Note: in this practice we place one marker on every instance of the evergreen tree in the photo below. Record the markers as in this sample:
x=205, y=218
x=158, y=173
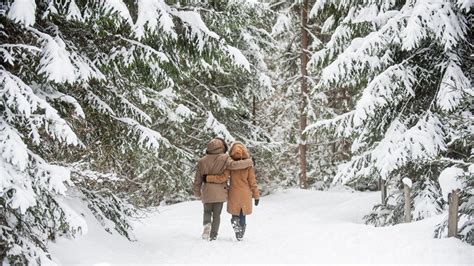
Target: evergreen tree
x=323, y=151
x=408, y=63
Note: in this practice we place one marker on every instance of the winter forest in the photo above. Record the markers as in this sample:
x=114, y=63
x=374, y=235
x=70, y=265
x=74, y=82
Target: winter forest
x=107, y=105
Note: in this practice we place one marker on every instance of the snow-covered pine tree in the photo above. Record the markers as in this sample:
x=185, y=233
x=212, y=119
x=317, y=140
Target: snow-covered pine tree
x=38, y=75
x=408, y=63
x=323, y=152
x=278, y=114
x=281, y=112
x=327, y=102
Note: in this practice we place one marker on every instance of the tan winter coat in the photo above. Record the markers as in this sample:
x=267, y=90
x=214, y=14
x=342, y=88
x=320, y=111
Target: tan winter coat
x=243, y=183
x=214, y=163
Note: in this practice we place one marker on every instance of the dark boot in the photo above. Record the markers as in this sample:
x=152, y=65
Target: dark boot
x=242, y=224
x=212, y=237
x=237, y=228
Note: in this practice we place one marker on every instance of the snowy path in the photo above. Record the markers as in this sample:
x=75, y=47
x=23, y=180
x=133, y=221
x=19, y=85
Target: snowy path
x=292, y=226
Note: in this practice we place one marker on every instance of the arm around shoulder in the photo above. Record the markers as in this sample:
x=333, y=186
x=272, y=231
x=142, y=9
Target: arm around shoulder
x=238, y=165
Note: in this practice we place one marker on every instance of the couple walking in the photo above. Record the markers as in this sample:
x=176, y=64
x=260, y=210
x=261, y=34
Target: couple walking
x=222, y=177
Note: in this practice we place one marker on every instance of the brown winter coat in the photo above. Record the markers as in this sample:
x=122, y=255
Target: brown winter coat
x=243, y=183
x=214, y=163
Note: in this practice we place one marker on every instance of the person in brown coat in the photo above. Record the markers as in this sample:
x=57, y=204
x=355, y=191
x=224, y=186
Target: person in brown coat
x=213, y=195
x=243, y=187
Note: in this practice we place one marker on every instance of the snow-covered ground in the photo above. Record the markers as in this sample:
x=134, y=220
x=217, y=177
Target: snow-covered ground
x=291, y=226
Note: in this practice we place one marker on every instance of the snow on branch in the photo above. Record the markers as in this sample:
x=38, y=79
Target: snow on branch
x=399, y=146
x=402, y=145
x=50, y=177
x=369, y=53
x=341, y=125
x=164, y=99
x=116, y=7
x=197, y=29
x=466, y=5
x=366, y=14
x=146, y=137
x=85, y=69
x=336, y=44
x=283, y=24
x=21, y=168
x=328, y=24
x=23, y=11
x=381, y=91
x=12, y=147
x=61, y=66
x=388, y=155
x=98, y=104
x=359, y=166
x=454, y=87
x=8, y=51
x=17, y=181
x=21, y=98
x=125, y=56
x=238, y=58
x=148, y=50
x=53, y=94
x=435, y=18
x=218, y=128
x=76, y=222
x=318, y=6
x=82, y=172
x=426, y=138
x=152, y=15
x=132, y=109
x=374, y=44
x=181, y=114
x=426, y=198
x=55, y=62
x=57, y=127
x=18, y=95
x=73, y=12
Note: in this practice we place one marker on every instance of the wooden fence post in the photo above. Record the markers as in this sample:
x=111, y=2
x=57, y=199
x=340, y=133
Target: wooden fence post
x=407, y=191
x=453, y=199
x=383, y=190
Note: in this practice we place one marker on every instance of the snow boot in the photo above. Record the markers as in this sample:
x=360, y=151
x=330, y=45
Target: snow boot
x=212, y=237
x=240, y=234
x=237, y=228
x=206, y=232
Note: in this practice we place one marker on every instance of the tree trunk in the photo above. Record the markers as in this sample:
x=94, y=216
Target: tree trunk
x=383, y=190
x=304, y=92
x=453, y=199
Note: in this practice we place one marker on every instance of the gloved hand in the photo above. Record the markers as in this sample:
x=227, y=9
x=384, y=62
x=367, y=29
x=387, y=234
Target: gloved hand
x=257, y=201
x=204, y=178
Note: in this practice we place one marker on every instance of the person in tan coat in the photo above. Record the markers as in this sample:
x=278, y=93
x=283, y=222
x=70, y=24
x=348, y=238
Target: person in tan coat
x=213, y=195
x=243, y=187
